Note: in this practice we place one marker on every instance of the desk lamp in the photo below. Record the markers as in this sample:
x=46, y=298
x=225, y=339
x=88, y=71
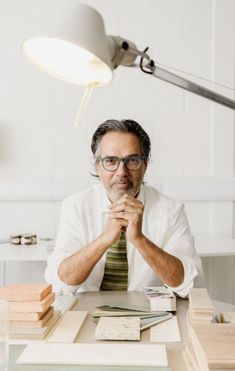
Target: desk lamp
x=77, y=50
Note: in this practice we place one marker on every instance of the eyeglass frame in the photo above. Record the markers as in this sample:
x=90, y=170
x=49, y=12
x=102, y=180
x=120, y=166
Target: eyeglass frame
x=121, y=159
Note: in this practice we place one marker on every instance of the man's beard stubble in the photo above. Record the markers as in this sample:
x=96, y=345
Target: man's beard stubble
x=118, y=193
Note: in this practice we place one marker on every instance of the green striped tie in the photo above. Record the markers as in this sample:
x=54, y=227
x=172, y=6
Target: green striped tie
x=116, y=267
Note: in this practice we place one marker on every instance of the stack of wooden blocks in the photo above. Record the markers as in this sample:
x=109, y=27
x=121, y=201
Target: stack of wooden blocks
x=211, y=345
x=201, y=308
x=31, y=310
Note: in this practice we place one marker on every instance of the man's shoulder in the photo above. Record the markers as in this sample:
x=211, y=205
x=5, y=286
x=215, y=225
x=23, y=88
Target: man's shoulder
x=89, y=194
x=154, y=197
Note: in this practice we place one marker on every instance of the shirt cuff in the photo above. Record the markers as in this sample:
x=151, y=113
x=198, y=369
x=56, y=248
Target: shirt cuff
x=190, y=272
x=58, y=286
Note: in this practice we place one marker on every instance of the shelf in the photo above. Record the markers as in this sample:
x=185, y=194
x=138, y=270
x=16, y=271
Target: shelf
x=214, y=245
x=38, y=252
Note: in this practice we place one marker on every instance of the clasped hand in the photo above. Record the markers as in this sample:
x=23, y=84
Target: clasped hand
x=125, y=214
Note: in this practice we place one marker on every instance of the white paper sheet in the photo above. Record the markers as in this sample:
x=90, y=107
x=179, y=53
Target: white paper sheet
x=95, y=354
x=166, y=332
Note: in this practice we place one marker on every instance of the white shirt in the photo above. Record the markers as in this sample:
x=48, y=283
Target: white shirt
x=83, y=217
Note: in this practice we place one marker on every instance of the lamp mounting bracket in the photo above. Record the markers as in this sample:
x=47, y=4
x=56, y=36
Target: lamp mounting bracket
x=124, y=52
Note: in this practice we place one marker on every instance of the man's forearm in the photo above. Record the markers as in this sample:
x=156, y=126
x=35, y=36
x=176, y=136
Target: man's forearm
x=167, y=267
x=76, y=268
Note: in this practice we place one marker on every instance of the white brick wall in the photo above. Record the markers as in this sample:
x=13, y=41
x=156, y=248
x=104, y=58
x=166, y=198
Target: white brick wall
x=43, y=157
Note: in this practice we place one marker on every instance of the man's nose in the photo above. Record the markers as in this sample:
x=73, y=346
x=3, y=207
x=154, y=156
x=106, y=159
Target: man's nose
x=122, y=169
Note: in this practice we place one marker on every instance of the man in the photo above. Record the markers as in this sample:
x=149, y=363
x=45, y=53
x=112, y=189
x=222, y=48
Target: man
x=121, y=234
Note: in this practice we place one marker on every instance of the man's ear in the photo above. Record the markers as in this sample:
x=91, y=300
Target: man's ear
x=96, y=167
x=93, y=168
x=146, y=165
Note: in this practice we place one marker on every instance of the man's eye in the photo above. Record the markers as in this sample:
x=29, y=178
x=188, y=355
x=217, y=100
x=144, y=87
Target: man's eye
x=132, y=160
x=110, y=161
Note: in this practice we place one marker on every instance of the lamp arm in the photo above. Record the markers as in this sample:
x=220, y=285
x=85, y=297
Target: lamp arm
x=186, y=84
x=125, y=53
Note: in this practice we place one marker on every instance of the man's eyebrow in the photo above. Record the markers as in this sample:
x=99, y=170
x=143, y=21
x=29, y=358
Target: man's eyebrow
x=108, y=156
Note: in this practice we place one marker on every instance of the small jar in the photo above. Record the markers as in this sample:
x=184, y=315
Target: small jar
x=15, y=239
x=26, y=239
x=33, y=239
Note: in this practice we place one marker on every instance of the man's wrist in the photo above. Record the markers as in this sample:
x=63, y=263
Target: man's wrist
x=139, y=240
x=104, y=240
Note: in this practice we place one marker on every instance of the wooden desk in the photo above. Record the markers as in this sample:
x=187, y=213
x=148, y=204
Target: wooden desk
x=88, y=301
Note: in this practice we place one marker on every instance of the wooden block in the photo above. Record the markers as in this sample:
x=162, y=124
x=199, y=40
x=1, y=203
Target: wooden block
x=200, y=301
x=214, y=344
x=25, y=292
x=19, y=332
x=32, y=306
x=26, y=316
x=198, y=317
x=200, y=357
x=40, y=323
x=68, y=328
x=118, y=354
x=191, y=359
x=228, y=317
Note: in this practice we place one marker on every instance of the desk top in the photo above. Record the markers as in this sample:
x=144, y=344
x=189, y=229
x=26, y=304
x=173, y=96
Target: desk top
x=94, y=299
x=89, y=301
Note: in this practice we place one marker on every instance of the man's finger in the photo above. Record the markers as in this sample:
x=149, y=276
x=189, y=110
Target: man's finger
x=120, y=208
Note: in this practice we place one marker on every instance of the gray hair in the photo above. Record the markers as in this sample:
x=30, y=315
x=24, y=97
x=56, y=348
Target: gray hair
x=122, y=126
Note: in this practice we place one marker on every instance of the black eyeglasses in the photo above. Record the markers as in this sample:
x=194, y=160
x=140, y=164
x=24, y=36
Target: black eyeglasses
x=111, y=163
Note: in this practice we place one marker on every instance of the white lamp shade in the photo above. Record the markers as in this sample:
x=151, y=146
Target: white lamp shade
x=74, y=47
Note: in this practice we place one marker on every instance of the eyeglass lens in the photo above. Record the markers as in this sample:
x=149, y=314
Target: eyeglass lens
x=131, y=162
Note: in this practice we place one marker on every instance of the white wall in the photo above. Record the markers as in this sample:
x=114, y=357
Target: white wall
x=43, y=157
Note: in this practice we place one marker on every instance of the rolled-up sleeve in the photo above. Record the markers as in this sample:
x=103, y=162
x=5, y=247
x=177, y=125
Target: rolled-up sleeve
x=67, y=243
x=180, y=243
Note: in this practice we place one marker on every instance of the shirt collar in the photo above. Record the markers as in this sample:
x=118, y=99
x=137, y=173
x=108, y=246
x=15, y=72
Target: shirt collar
x=140, y=196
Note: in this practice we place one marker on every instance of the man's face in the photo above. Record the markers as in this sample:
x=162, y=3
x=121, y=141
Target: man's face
x=121, y=181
